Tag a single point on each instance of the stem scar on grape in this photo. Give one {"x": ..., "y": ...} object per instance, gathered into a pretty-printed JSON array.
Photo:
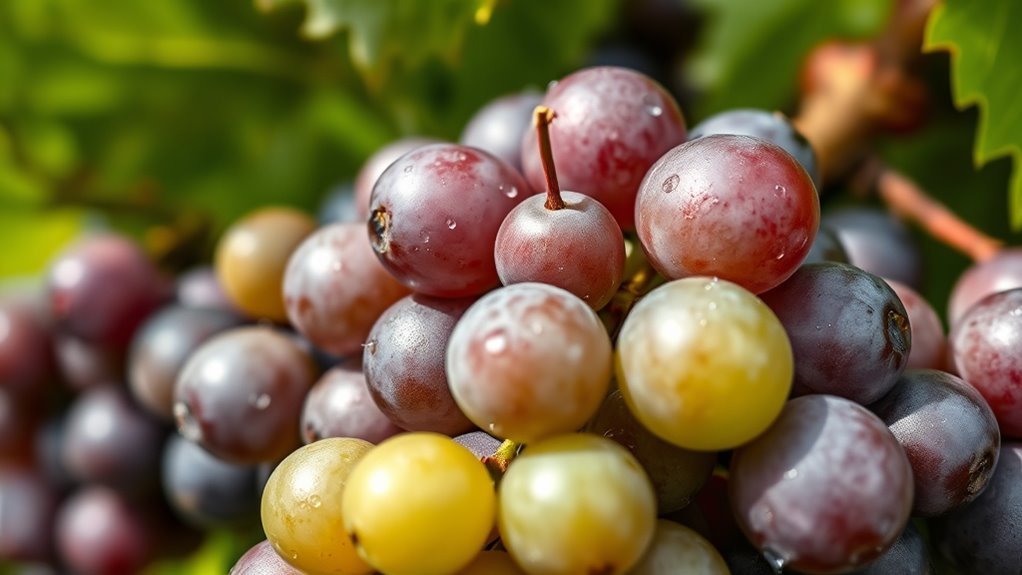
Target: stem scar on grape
[{"x": 379, "y": 229}]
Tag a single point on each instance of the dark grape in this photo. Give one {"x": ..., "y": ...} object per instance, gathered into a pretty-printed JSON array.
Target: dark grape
[
  {"x": 826, "y": 248},
  {"x": 1000, "y": 273},
  {"x": 341, "y": 405},
  {"x": 102, "y": 288},
  {"x": 85, "y": 365},
  {"x": 908, "y": 556},
  {"x": 848, "y": 330},
  {"x": 929, "y": 344},
  {"x": 734, "y": 207},
  {"x": 261, "y": 559},
  {"x": 434, "y": 217},
  {"x": 498, "y": 126},
  {"x": 207, "y": 491},
  {"x": 26, "y": 350},
  {"x": 375, "y": 165},
  {"x": 338, "y": 205},
  {"x": 826, "y": 489},
  {"x": 200, "y": 288},
  {"x": 240, "y": 395},
  {"x": 878, "y": 242},
  {"x": 613, "y": 124},
  {"x": 404, "y": 362},
  {"x": 774, "y": 127},
  {"x": 949, "y": 434},
  {"x": 100, "y": 533},
  {"x": 27, "y": 508},
  {"x": 19, "y": 420},
  {"x": 162, "y": 346},
  {"x": 985, "y": 345}
]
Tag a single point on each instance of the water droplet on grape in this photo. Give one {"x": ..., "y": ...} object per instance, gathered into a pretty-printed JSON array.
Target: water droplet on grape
[
  {"x": 408, "y": 169},
  {"x": 370, "y": 346},
  {"x": 670, "y": 183},
  {"x": 791, "y": 474},
  {"x": 512, "y": 192},
  {"x": 551, "y": 84},
  {"x": 779, "y": 256},
  {"x": 261, "y": 401},
  {"x": 187, "y": 425},
  {"x": 451, "y": 224},
  {"x": 781, "y": 190},
  {"x": 775, "y": 560},
  {"x": 496, "y": 342},
  {"x": 314, "y": 501},
  {"x": 462, "y": 157},
  {"x": 655, "y": 111}
]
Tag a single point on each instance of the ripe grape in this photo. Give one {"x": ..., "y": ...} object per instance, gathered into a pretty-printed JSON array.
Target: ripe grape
[
  {"x": 19, "y": 421},
  {"x": 252, "y": 255},
  {"x": 529, "y": 360},
  {"x": 703, "y": 363},
  {"x": 735, "y": 207},
  {"x": 27, "y": 509},
  {"x": 480, "y": 443},
  {"x": 302, "y": 512},
  {"x": 848, "y": 329},
  {"x": 613, "y": 125},
  {"x": 827, "y": 488},
  {"x": 878, "y": 242},
  {"x": 84, "y": 365},
  {"x": 375, "y": 165},
  {"x": 404, "y": 361},
  {"x": 434, "y": 218},
  {"x": 161, "y": 347},
  {"x": 261, "y": 559},
  {"x": 200, "y": 288},
  {"x": 985, "y": 343},
  {"x": 80, "y": 282},
  {"x": 240, "y": 394},
  {"x": 826, "y": 248},
  {"x": 498, "y": 126},
  {"x": 576, "y": 503},
  {"x": 26, "y": 350},
  {"x": 340, "y": 405},
  {"x": 774, "y": 127},
  {"x": 677, "y": 474},
  {"x": 929, "y": 345},
  {"x": 1000, "y": 273},
  {"x": 335, "y": 288},
  {"x": 205, "y": 490},
  {"x": 678, "y": 549},
  {"x": 908, "y": 556},
  {"x": 100, "y": 533},
  {"x": 419, "y": 504}
]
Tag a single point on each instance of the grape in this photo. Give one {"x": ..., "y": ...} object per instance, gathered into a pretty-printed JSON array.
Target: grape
[
  {"x": 252, "y": 255},
  {"x": 338, "y": 206},
  {"x": 240, "y": 395},
  {"x": 908, "y": 556},
  {"x": 929, "y": 345},
  {"x": 576, "y": 503},
  {"x": 678, "y": 549},
  {"x": 677, "y": 474},
  {"x": 375, "y": 165},
  {"x": 565, "y": 239},
  {"x": 985, "y": 344},
  {"x": 85, "y": 365},
  {"x": 848, "y": 329},
  {"x": 110, "y": 440},
  {"x": 261, "y": 559},
  {"x": 161, "y": 347},
  {"x": 492, "y": 563},
  {"x": 826, "y": 248},
  {"x": 498, "y": 127},
  {"x": 734, "y": 207},
  {"x": 99, "y": 533},
  {"x": 703, "y": 364},
  {"x": 27, "y": 508},
  {"x": 1000, "y": 273},
  {"x": 774, "y": 127},
  {"x": 949, "y": 434},
  {"x": 301, "y": 507},
  {"x": 419, "y": 504},
  {"x": 984, "y": 537},
  {"x": 26, "y": 350},
  {"x": 335, "y": 288},
  {"x": 79, "y": 285},
  {"x": 404, "y": 361},
  {"x": 205, "y": 490},
  {"x": 529, "y": 360},
  {"x": 877, "y": 242},
  {"x": 19, "y": 419},
  {"x": 341, "y": 405},
  {"x": 434, "y": 218},
  {"x": 827, "y": 488},
  {"x": 613, "y": 125},
  {"x": 200, "y": 288}
]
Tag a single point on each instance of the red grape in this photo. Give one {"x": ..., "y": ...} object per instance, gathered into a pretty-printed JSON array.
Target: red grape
[
  {"x": 341, "y": 405},
  {"x": 1000, "y": 273},
  {"x": 375, "y": 165}
]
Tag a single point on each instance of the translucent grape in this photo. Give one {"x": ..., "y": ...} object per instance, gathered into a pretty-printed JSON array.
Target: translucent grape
[{"x": 704, "y": 364}]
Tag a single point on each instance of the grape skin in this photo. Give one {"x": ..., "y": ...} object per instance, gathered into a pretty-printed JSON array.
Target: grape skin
[
  {"x": 341, "y": 405},
  {"x": 261, "y": 559},
  {"x": 529, "y": 360},
  {"x": 205, "y": 490},
  {"x": 1000, "y": 273},
  {"x": 99, "y": 532},
  {"x": 734, "y": 207},
  {"x": 878, "y": 242},
  {"x": 376, "y": 164},
  {"x": 678, "y": 549},
  {"x": 26, "y": 350},
  {"x": 929, "y": 344}
]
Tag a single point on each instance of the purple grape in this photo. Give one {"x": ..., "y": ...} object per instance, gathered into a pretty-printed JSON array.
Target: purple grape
[
  {"x": 19, "y": 420},
  {"x": 826, "y": 248},
  {"x": 848, "y": 330},
  {"x": 498, "y": 126},
  {"x": 200, "y": 288},
  {"x": 261, "y": 559},
  {"x": 826, "y": 489},
  {"x": 375, "y": 165},
  {"x": 878, "y": 242},
  {"x": 929, "y": 344},
  {"x": 100, "y": 533},
  {"x": 949, "y": 435},
  {"x": 404, "y": 363},
  {"x": 341, "y": 405},
  {"x": 434, "y": 218},
  {"x": 85, "y": 365},
  {"x": 240, "y": 395},
  {"x": 26, "y": 350},
  {"x": 207, "y": 491},
  {"x": 27, "y": 509},
  {"x": 1000, "y": 273}
]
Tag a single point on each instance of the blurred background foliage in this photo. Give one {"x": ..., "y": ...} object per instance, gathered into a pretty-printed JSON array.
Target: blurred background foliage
[{"x": 168, "y": 119}]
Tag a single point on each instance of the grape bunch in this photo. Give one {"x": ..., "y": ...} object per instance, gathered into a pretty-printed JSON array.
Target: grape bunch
[{"x": 584, "y": 340}]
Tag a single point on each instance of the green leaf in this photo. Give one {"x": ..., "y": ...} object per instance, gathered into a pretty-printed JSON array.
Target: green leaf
[
  {"x": 751, "y": 50},
  {"x": 984, "y": 41}
]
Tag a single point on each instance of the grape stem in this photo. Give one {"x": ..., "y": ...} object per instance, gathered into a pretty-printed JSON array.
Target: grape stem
[
  {"x": 498, "y": 463},
  {"x": 543, "y": 116}
]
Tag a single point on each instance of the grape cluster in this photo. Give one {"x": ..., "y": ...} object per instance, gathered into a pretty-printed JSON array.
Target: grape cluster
[{"x": 671, "y": 365}]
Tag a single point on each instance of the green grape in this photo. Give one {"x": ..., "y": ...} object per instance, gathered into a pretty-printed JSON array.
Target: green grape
[
  {"x": 678, "y": 549},
  {"x": 492, "y": 563},
  {"x": 419, "y": 504},
  {"x": 576, "y": 503},
  {"x": 301, "y": 509},
  {"x": 704, "y": 363}
]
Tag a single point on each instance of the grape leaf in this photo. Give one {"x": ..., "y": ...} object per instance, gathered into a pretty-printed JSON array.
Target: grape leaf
[
  {"x": 750, "y": 51},
  {"x": 985, "y": 45}
]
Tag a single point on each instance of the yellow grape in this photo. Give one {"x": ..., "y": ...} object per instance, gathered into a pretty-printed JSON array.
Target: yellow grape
[
  {"x": 704, "y": 363},
  {"x": 419, "y": 504},
  {"x": 678, "y": 549},
  {"x": 492, "y": 563},
  {"x": 252, "y": 255},
  {"x": 301, "y": 507},
  {"x": 576, "y": 503}
]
